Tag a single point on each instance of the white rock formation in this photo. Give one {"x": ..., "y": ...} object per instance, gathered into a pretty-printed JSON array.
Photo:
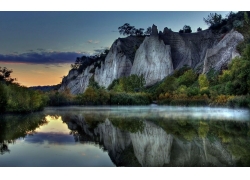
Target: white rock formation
[
  {"x": 116, "y": 65},
  {"x": 153, "y": 60},
  {"x": 77, "y": 83},
  {"x": 223, "y": 52}
]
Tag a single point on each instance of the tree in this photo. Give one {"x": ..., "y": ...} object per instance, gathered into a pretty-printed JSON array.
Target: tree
[
  {"x": 181, "y": 31},
  {"x": 213, "y": 19},
  {"x": 126, "y": 29},
  {"x": 148, "y": 31},
  {"x": 5, "y": 75},
  {"x": 199, "y": 29},
  {"x": 203, "y": 81},
  {"x": 139, "y": 32},
  {"x": 187, "y": 29}
]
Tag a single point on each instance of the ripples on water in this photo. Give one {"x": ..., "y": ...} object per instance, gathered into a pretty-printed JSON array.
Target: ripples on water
[{"x": 126, "y": 136}]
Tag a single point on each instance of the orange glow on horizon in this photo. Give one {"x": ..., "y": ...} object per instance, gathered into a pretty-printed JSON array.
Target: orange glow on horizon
[{"x": 37, "y": 74}]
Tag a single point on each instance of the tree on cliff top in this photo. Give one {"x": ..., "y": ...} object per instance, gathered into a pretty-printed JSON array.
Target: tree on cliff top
[
  {"x": 128, "y": 30},
  {"x": 212, "y": 19}
]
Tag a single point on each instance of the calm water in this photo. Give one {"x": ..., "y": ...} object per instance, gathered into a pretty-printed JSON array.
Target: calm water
[{"x": 126, "y": 136}]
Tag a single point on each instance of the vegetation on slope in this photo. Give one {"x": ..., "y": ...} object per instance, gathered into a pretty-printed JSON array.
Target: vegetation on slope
[{"x": 16, "y": 98}]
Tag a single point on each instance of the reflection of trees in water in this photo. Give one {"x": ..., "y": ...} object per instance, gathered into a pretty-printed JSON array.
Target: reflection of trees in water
[
  {"x": 233, "y": 135},
  {"x": 221, "y": 139},
  {"x": 14, "y": 126},
  {"x": 4, "y": 148}
]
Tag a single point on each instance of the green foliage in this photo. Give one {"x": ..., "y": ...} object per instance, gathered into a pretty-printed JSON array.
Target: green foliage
[
  {"x": 203, "y": 81},
  {"x": 132, "y": 125},
  {"x": 132, "y": 83},
  {"x": 236, "y": 79},
  {"x": 64, "y": 98},
  {"x": 3, "y": 97},
  {"x": 18, "y": 99},
  {"x": 203, "y": 129},
  {"x": 188, "y": 78},
  {"x": 129, "y": 99},
  {"x": 21, "y": 99},
  {"x": 239, "y": 102},
  {"x": 16, "y": 126}
]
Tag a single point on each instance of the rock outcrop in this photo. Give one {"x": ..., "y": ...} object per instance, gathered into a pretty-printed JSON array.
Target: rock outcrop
[
  {"x": 221, "y": 54},
  {"x": 153, "y": 59},
  {"x": 76, "y": 83},
  {"x": 119, "y": 60},
  {"x": 157, "y": 56}
]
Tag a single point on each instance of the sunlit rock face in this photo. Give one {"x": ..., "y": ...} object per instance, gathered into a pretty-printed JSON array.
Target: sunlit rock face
[
  {"x": 119, "y": 60},
  {"x": 153, "y": 59},
  {"x": 152, "y": 146},
  {"x": 222, "y": 53},
  {"x": 76, "y": 83}
]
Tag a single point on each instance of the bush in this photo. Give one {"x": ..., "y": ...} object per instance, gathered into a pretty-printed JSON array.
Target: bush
[
  {"x": 239, "y": 102},
  {"x": 129, "y": 99}
]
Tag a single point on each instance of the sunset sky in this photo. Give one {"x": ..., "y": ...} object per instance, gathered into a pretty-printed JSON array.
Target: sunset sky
[{"x": 40, "y": 46}]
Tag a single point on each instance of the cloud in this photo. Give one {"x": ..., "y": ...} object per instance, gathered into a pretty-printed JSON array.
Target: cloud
[
  {"x": 41, "y": 57},
  {"x": 93, "y": 42},
  {"x": 101, "y": 49},
  {"x": 51, "y": 138}
]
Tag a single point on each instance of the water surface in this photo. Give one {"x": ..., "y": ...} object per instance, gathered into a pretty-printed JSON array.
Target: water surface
[{"x": 126, "y": 136}]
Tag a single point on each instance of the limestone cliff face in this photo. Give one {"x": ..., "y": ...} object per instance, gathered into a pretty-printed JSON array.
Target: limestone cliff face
[
  {"x": 75, "y": 82},
  {"x": 189, "y": 48},
  {"x": 221, "y": 54},
  {"x": 153, "y": 59},
  {"x": 119, "y": 60},
  {"x": 157, "y": 56}
]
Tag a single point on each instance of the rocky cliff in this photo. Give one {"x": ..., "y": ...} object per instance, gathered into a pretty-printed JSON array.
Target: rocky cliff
[
  {"x": 152, "y": 57},
  {"x": 119, "y": 60},
  {"x": 158, "y": 55}
]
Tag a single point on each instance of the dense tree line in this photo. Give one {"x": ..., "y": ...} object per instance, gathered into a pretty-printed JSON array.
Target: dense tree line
[{"x": 16, "y": 98}]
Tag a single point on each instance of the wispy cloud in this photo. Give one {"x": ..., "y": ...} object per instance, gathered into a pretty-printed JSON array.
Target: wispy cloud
[
  {"x": 41, "y": 57},
  {"x": 101, "y": 50},
  {"x": 93, "y": 42}
]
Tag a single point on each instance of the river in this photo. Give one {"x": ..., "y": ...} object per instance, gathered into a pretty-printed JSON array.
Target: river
[{"x": 106, "y": 136}]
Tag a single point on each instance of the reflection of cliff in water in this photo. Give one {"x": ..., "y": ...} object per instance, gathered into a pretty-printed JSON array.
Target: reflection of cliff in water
[{"x": 159, "y": 142}]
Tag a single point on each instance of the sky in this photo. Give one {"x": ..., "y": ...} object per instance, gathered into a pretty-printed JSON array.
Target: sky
[{"x": 39, "y": 46}]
